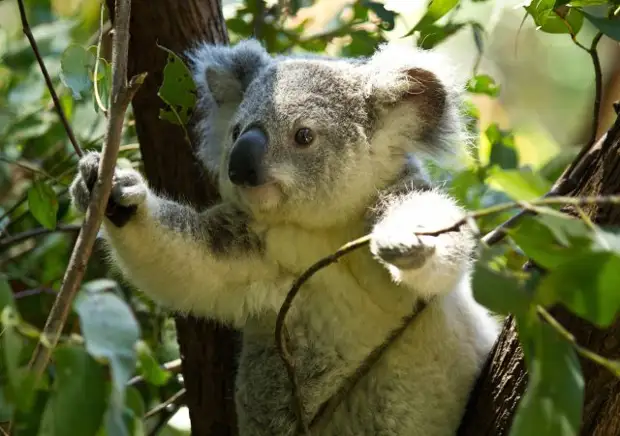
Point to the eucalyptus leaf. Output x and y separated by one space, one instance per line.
609 27
499 292
177 91
588 285
43 204
149 367
483 84
436 9
521 184
553 401
78 402
76 65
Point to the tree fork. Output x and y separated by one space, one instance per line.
503 380
208 350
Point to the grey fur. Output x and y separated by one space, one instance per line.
373 119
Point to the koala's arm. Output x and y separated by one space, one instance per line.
429 265
208 263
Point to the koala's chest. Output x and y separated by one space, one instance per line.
356 281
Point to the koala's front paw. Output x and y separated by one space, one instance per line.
400 246
128 190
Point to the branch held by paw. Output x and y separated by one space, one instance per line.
122 94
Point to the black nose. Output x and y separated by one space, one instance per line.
246 164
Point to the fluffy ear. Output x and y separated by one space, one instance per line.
221 73
224 72
421 96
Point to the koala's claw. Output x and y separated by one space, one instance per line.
128 190
401 250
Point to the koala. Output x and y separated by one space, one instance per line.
309 153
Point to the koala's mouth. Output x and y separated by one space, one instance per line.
263 197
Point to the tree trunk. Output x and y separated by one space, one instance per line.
502 382
208 350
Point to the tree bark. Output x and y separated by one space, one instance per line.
503 381
208 350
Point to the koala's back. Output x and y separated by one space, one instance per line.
418 388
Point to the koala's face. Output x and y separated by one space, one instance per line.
297 138
313 140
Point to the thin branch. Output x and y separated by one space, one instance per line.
568 180
281 342
46 76
164 417
174 366
122 93
177 398
102 106
9 241
327 408
280 329
31 169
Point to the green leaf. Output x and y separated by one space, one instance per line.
550 240
432 35
610 28
387 16
362 44
314 44
177 90
503 148
78 402
111 332
588 285
20 386
76 65
104 83
582 3
552 19
499 291
483 84
43 204
134 412
553 402
150 368
239 26
436 9
521 184
6 408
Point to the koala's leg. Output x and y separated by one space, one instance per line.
209 263
430 265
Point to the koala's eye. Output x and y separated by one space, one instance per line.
304 136
235 132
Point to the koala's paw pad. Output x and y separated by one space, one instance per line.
128 189
404 251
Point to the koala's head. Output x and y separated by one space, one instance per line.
312 140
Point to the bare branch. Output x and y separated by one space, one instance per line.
33 233
122 93
46 76
174 366
177 398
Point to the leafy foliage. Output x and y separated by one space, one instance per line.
115 334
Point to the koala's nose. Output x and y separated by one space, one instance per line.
246 166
